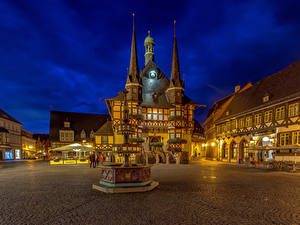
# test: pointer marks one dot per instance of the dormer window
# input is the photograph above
(82, 134)
(66, 124)
(92, 134)
(266, 98)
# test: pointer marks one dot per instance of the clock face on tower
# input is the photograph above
(152, 74)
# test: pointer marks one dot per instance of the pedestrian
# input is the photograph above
(97, 160)
(94, 160)
(91, 160)
(101, 159)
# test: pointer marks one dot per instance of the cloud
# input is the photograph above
(69, 54)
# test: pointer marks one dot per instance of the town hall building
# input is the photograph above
(158, 107)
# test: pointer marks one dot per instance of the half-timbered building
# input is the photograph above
(263, 121)
(162, 114)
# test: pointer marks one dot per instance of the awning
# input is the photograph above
(76, 147)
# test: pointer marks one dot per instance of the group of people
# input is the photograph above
(95, 160)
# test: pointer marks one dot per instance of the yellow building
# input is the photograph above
(10, 137)
(162, 114)
(28, 145)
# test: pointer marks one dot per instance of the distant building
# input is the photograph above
(10, 137)
(261, 122)
(69, 127)
(42, 145)
(28, 145)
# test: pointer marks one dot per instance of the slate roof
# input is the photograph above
(106, 129)
(279, 86)
(4, 115)
(43, 137)
(152, 87)
(78, 122)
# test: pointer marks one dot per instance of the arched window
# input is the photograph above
(92, 134)
(82, 134)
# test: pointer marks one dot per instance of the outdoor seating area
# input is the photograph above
(72, 154)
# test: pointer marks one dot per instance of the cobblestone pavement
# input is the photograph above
(201, 193)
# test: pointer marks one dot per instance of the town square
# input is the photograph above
(111, 114)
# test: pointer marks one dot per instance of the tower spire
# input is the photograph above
(133, 73)
(149, 49)
(175, 72)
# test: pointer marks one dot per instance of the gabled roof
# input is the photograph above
(78, 122)
(198, 129)
(279, 86)
(106, 129)
(221, 105)
(4, 115)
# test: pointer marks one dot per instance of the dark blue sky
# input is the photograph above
(66, 55)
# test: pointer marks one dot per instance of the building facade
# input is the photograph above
(28, 145)
(210, 147)
(42, 145)
(262, 122)
(69, 127)
(158, 107)
(10, 137)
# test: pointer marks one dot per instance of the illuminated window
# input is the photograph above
(268, 116)
(227, 126)
(249, 121)
(280, 113)
(293, 109)
(257, 119)
(233, 124)
(134, 111)
(66, 135)
(296, 138)
(82, 134)
(284, 139)
(178, 113)
(172, 113)
(104, 139)
(242, 123)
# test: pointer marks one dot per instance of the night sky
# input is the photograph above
(66, 55)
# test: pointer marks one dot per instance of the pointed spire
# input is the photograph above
(175, 72)
(133, 73)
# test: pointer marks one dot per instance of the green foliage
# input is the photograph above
(137, 139)
(156, 144)
(172, 118)
(177, 141)
(136, 117)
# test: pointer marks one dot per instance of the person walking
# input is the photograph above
(101, 159)
(97, 160)
(91, 160)
(94, 160)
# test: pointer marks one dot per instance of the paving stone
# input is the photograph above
(201, 193)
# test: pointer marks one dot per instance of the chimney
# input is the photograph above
(237, 88)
